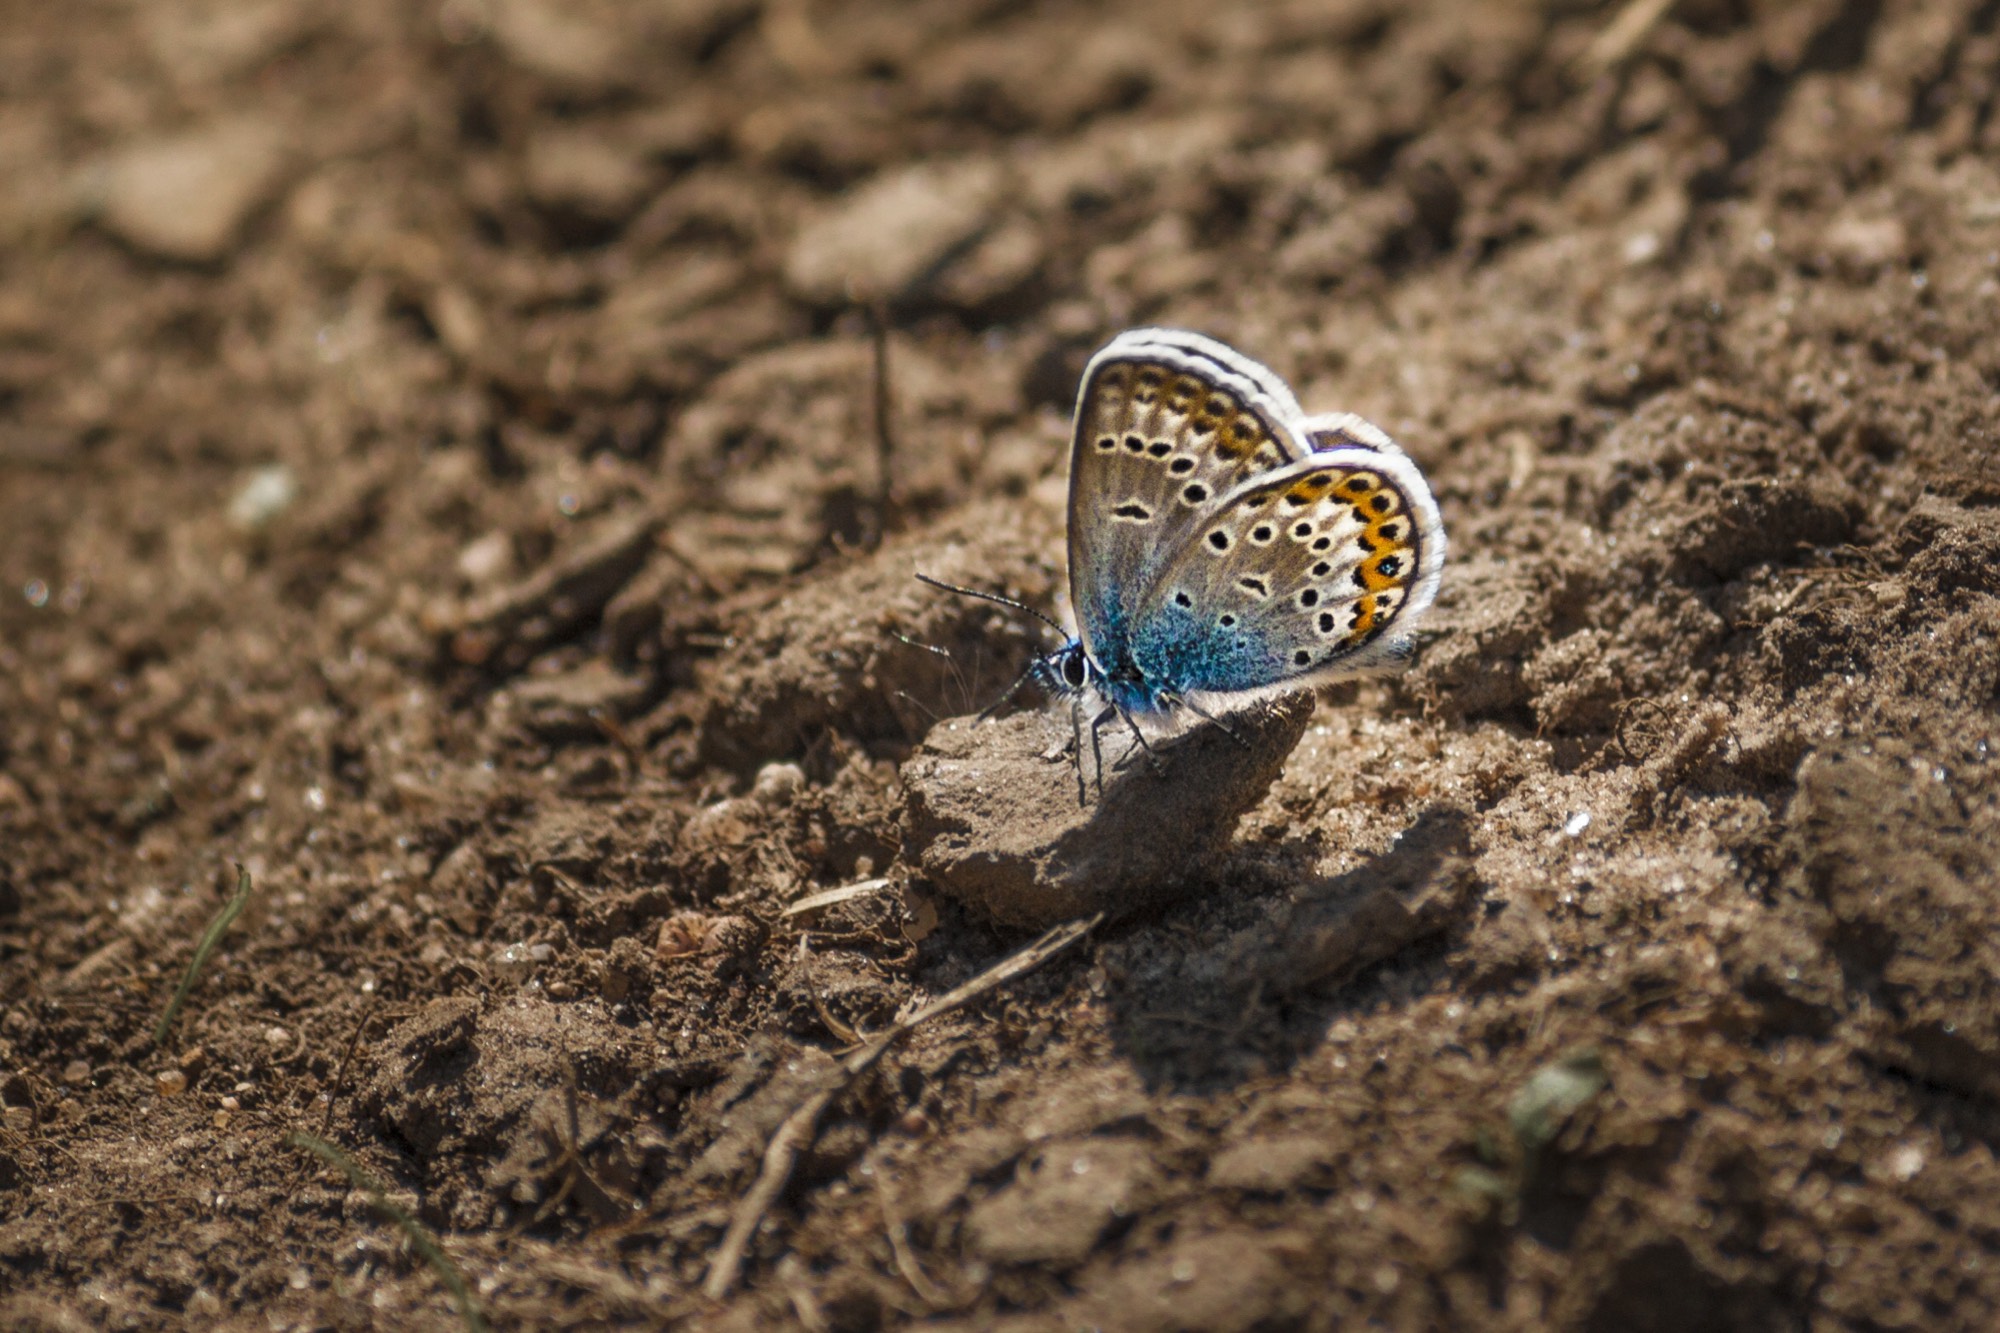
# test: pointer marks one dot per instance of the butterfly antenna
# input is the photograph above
(965, 686)
(919, 705)
(945, 653)
(995, 598)
(1012, 690)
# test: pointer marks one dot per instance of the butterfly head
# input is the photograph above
(1069, 669)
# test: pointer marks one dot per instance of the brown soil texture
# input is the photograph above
(439, 473)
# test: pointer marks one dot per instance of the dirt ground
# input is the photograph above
(438, 473)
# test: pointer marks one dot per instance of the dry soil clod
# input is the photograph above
(991, 812)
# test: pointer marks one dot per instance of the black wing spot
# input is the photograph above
(1134, 445)
(1320, 480)
(1219, 540)
(1389, 566)
(1322, 569)
(1322, 543)
(1133, 511)
(1389, 531)
(1261, 533)
(1195, 493)
(1366, 543)
(1360, 576)
(1302, 531)
(1326, 622)
(1380, 504)
(1180, 467)
(1159, 448)
(1302, 658)
(1310, 597)
(1151, 377)
(1254, 584)
(1182, 599)
(1226, 621)
(1105, 444)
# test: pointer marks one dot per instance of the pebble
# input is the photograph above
(581, 171)
(186, 196)
(265, 494)
(893, 231)
(993, 816)
(561, 46)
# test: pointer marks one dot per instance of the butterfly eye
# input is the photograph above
(1072, 671)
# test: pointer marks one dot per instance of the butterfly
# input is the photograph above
(1224, 547)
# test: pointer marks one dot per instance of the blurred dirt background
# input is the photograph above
(438, 471)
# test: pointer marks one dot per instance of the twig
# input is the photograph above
(828, 897)
(419, 1237)
(210, 938)
(665, 543)
(885, 436)
(1622, 36)
(906, 1261)
(795, 1135)
(333, 1093)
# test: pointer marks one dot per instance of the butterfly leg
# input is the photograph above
(1152, 756)
(1096, 744)
(1205, 715)
(1076, 748)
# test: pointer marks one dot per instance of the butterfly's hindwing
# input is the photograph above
(1299, 575)
(1167, 424)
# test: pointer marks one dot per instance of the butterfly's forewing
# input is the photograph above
(1167, 423)
(1299, 576)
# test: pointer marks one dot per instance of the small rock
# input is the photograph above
(206, 43)
(1230, 1282)
(686, 933)
(568, 706)
(1865, 243)
(993, 815)
(1273, 1165)
(893, 232)
(1063, 1200)
(1004, 261)
(777, 784)
(566, 47)
(186, 196)
(461, 874)
(484, 560)
(582, 172)
(510, 964)
(265, 494)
